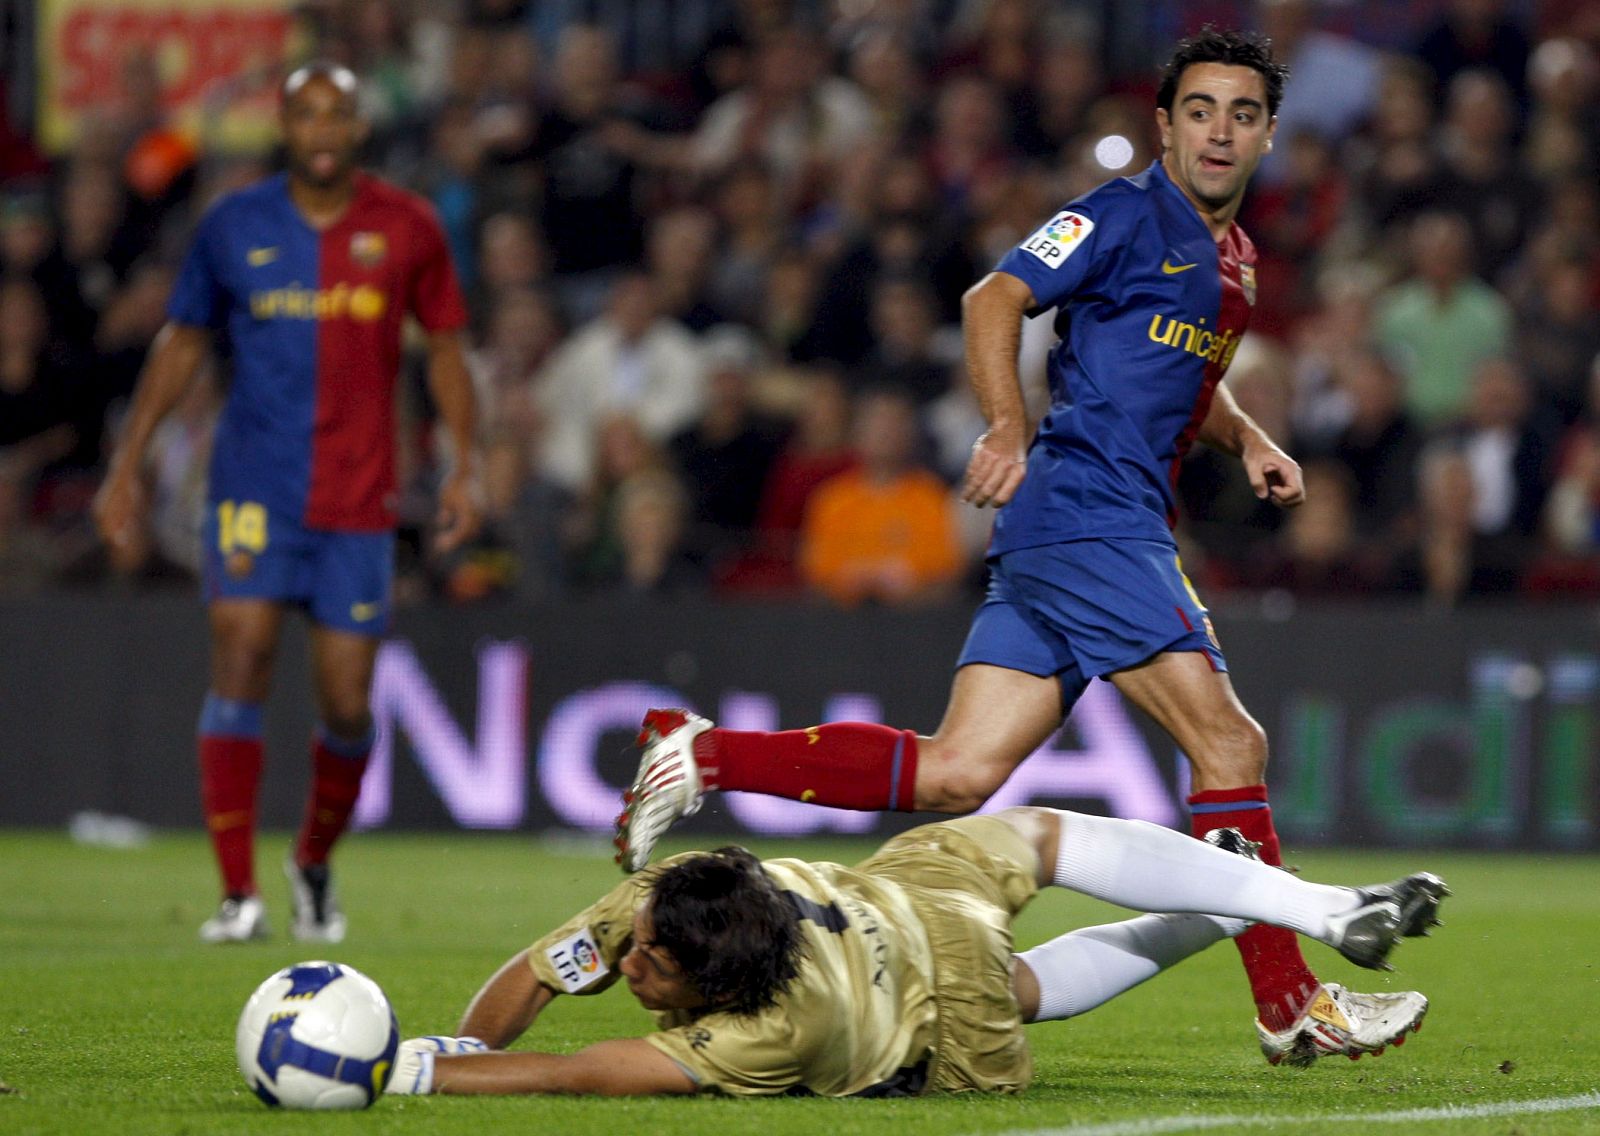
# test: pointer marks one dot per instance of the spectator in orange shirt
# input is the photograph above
(884, 532)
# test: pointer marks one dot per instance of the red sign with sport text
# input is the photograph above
(215, 63)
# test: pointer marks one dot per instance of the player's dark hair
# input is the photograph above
(730, 929)
(1235, 48)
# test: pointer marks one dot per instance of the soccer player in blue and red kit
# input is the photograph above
(1153, 282)
(306, 279)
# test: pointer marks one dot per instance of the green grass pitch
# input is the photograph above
(113, 1018)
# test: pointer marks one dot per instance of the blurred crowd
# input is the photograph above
(715, 262)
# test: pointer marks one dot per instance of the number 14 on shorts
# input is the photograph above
(241, 526)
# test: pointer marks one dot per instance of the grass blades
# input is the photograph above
(114, 1018)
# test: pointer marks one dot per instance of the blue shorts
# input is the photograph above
(341, 579)
(1086, 608)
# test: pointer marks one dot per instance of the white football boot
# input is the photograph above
(317, 917)
(667, 787)
(236, 921)
(1339, 1021)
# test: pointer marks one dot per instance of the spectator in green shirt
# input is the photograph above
(1441, 322)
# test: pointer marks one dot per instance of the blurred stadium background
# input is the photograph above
(763, 211)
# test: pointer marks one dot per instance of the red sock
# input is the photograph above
(849, 765)
(336, 769)
(1280, 980)
(230, 771)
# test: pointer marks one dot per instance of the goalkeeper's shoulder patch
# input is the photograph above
(577, 960)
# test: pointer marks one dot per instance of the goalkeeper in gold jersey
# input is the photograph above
(894, 977)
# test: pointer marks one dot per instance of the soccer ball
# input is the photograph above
(317, 1035)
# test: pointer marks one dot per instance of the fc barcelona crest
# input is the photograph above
(369, 249)
(1247, 281)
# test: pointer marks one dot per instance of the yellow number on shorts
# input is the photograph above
(1187, 586)
(241, 526)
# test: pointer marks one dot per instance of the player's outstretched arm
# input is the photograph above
(1274, 475)
(507, 1005)
(174, 359)
(450, 383)
(628, 1066)
(991, 322)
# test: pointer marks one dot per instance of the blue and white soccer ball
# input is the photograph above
(317, 1035)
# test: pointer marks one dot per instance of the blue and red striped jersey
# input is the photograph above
(1151, 309)
(312, 321)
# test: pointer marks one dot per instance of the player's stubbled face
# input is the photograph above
(653, 975)
(321, 131)
(1216, 132)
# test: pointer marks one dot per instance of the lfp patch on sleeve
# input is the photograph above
(1059, 238)
(577, 961)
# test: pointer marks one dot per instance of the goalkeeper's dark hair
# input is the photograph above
(1235, 48)
(724, 921)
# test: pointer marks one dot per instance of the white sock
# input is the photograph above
(1150, 868)
(1080, 970)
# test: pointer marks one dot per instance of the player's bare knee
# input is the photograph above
(351, 719)
(1233, 753)
(955, 776)
(241, 668)
(1041, 828)
(958, 790)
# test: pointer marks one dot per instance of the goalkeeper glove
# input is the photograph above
(413, 1062)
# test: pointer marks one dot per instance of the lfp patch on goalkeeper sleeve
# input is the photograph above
(577, 961)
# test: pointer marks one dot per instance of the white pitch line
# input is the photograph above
(1160, 1125)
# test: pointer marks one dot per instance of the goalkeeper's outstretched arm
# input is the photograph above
(507, 1005)
(624, 1066)
(502, 1011)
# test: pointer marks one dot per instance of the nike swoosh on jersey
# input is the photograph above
(1173, 269)
(260, 256)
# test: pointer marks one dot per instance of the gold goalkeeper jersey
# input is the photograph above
(859, 1018)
